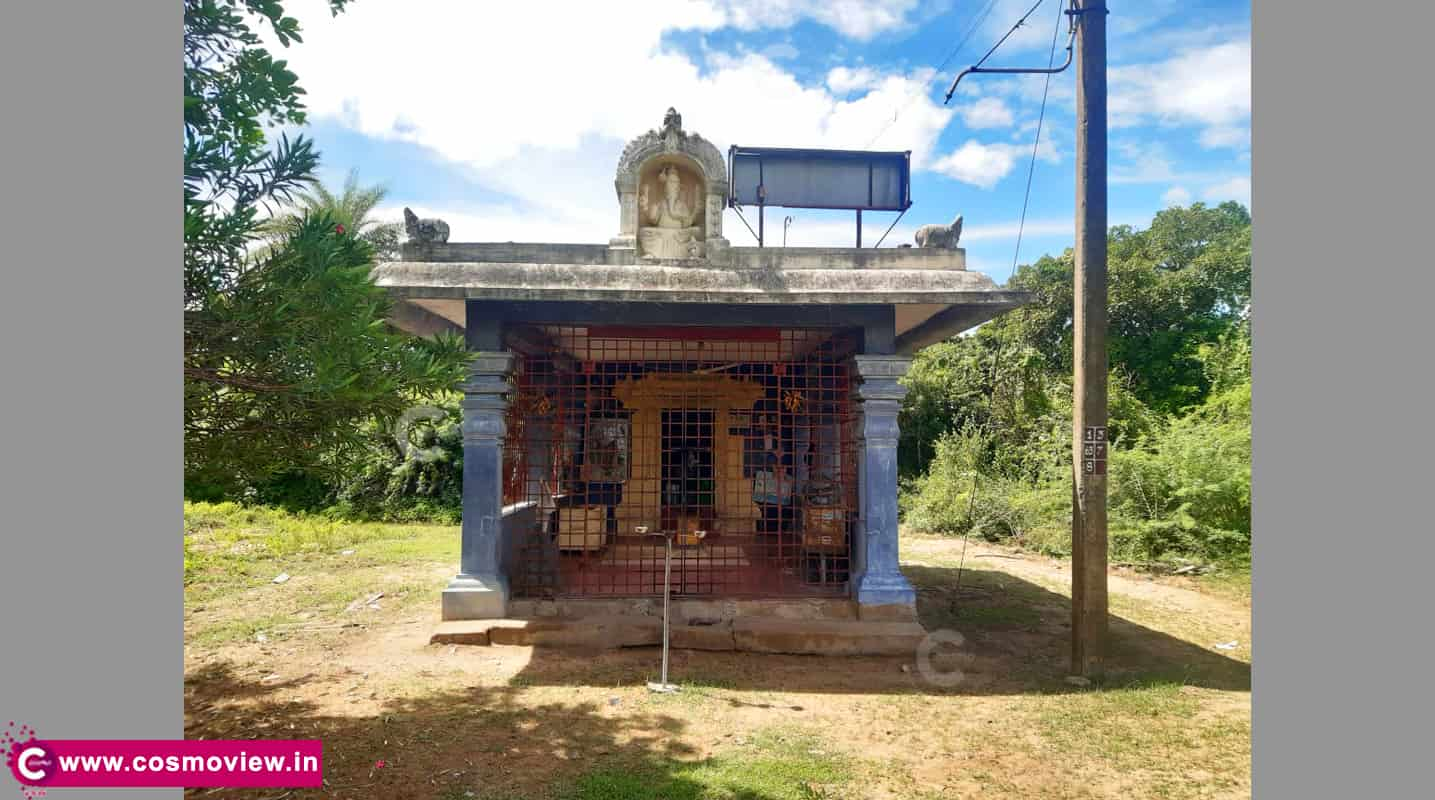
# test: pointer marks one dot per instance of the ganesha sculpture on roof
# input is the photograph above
(672, 187)
(668, 230)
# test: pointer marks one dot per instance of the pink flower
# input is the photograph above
(379, 764)
(339, 229)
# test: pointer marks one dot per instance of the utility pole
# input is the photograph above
(1089, 452)
(1088, 423)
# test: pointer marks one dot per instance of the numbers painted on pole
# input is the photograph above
(1093, 450)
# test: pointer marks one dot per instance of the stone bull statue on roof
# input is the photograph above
(424, 230)
(943, 237)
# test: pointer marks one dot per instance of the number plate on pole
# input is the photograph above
(1093, 450)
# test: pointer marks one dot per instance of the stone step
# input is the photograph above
(827, 637)
(748, 634)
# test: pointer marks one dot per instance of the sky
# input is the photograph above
(507, 119)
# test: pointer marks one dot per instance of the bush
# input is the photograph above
(1181, 489)
(382, 481)
(1187, 486)
(423, 482)
(959, 494)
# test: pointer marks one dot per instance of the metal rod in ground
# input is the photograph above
(662, 685)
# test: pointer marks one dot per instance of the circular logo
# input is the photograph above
(403, 431)
(931, 674)
(34, 763)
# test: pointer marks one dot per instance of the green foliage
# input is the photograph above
(986, 424)
(420, 481)
(964, 491)
(1187, 486)
(295, 357)
(1183, 489)
(352, 207)
(1173, 288)
(981, 381)
(286, 353)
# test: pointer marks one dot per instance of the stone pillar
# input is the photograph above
(876, 577)
(480, 590)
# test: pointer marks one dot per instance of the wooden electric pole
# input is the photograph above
(1088, 423)
(1089, 454)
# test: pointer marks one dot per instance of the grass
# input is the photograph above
(233, 554)
(1231, 581)
(1149, 728)
(1120, 725)
(774, 765)
(501, 723)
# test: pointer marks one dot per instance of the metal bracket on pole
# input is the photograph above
(978, 68)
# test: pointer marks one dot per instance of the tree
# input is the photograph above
(286, 354)
(1173, 287)
(986, 423)
(1177, 289)
(351, 207)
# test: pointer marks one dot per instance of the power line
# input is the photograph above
(1008, 34)
(978, 68)
(977, 23)
(1036, 143)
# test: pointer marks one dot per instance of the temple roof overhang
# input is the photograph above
(931, 300)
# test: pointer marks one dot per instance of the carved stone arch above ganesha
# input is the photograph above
(672, 188)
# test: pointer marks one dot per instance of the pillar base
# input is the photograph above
(475, 597)
(885, 590)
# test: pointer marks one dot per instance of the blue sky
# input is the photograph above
(507, 120)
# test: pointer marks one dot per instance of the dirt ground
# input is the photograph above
(1171, 719)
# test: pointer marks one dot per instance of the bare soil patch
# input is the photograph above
(1171, 720)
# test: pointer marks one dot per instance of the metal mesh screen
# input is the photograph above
(738, 441)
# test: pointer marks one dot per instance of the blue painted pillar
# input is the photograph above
(480, 590)
(877, 579)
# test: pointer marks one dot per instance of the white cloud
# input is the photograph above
(1176, 196)
(1226, 136)
(1238, 189)
(1208, 87)
(978, 164)
(506, 223)
(477, 94)
(1035, 35)
(988, 112)
(984, 165)
(842, 80)
(1144, 162)
(542, 123)
(1161, 42)
(856, 19)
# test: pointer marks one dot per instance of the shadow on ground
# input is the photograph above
(478, 741)
(1004, 616)
(1016, 640)
(504, 741)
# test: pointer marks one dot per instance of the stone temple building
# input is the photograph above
(742, 400)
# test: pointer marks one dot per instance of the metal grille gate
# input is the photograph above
(740, 441)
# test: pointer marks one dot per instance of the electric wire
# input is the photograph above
(1036, 142)
(977, 22)
(1008, 34)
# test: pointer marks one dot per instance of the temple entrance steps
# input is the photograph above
(805, 627)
